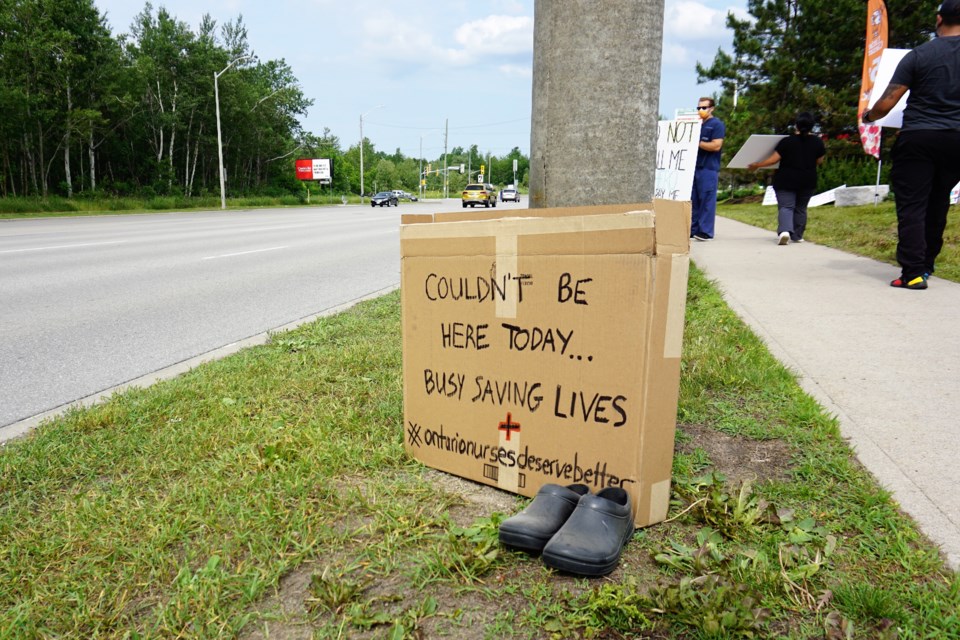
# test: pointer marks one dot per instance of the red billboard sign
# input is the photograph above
(315, 169)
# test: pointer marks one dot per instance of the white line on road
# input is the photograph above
(243, 253)
(63, 246)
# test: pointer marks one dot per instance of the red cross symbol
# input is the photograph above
(509, 426)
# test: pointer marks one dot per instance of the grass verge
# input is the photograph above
(54, 206)
(267, 495)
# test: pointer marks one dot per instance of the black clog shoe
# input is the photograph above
(533, 527)
(590, 541)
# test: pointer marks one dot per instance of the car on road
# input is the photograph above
(477, 193)
(384, 199)
(403, 195)
(510, 193)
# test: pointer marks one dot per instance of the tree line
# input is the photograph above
(86, 112)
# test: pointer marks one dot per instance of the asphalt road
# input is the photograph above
(90, 303)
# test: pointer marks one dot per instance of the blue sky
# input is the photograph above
(467, 63)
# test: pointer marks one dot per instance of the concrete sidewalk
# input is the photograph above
(885, 361)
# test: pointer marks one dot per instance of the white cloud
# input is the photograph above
(396, 40)
(496, 35)
(676, 55)
(690, 20)
(516, 71)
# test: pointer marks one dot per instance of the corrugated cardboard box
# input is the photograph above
(547, 348)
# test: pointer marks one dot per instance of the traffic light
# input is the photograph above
(482, 167)
(463, 168)
(428, 167)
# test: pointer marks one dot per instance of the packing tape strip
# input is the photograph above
(528, 226)
(507, 263)
(659, 501)
(508, 478)
(676, 305)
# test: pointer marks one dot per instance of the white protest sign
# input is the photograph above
(888, 64)
(770, 197)
(677, 144)
(757, 147)
(826, 197)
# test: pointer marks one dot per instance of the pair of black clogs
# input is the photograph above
(574, 530)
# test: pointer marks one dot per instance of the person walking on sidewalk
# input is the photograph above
(705, 175)
(799, 155)
(926, 155)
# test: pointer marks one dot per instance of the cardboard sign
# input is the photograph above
(547, 349)
(677, 144)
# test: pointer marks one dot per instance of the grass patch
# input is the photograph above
(869, 231)
(53, 206)
(86, 205)
(268, 495)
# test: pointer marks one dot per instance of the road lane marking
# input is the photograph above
(62, 246)
(243, 253)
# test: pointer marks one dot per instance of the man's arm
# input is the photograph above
(891, 96)
(712, 145)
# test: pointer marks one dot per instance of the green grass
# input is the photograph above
(869, 231)
(193, 509)
(82, 206)
(55, 206)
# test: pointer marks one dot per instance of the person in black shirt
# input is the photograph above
(926, 155)
(799, 156)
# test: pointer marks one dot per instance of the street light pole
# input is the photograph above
(216, 99)
(361, 149)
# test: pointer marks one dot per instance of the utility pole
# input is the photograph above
(603, 133)
(361, 150)
(446, 130)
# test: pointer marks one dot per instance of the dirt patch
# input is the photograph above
(478, 500)
(739, 458)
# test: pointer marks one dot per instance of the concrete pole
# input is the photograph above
(596, 93)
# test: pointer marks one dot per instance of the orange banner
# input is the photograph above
(875, 44)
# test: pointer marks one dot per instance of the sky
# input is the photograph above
(411, 68)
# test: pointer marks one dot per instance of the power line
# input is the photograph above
(470, 126)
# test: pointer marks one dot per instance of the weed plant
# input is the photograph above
(194, 508)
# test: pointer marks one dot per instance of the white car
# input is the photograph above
(403, 195)
(509, 193)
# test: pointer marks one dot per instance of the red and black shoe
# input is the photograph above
(920, 282)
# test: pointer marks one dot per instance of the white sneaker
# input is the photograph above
(783, 239)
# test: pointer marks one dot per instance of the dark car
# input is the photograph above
(384, 199)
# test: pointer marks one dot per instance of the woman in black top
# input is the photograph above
(799, 155)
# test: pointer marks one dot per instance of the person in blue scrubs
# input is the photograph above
(704, 196)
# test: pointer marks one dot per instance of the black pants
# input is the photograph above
(926, 166)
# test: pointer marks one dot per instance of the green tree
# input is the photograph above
(796, 55)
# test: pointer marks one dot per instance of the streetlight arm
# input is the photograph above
(232, 62)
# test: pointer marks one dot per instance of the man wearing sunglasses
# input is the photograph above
(704, 197)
